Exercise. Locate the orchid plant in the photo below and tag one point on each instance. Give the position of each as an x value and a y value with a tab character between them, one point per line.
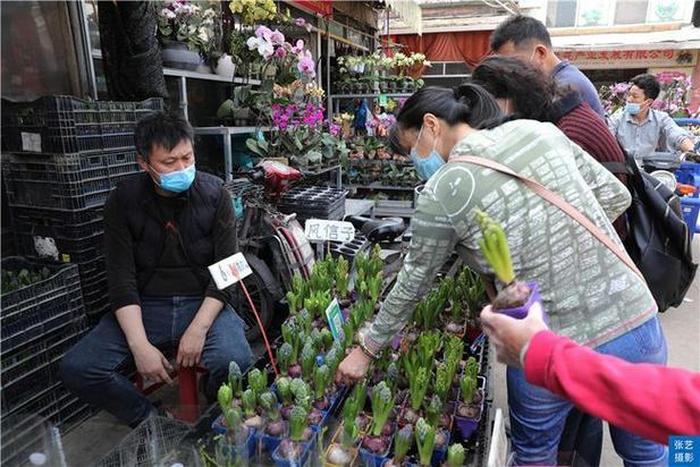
189	22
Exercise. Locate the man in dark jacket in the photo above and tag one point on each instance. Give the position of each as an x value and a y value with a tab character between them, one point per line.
162	229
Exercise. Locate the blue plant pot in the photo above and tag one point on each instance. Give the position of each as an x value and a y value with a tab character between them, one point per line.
307	448
370	459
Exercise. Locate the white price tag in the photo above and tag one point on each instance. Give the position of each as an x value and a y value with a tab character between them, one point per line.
230	270
320	230
31	142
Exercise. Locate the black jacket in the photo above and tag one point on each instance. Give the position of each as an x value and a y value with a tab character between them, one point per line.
136	232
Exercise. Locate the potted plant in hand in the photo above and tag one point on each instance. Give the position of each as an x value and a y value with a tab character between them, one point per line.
517	297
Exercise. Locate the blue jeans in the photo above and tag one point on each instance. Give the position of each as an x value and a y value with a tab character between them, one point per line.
94	369
537	416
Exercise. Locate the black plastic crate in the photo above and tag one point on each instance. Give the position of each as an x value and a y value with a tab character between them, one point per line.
67	168
43	324
53	345
65	124
70	250
68	196
60	217
35	305
25	379
45	228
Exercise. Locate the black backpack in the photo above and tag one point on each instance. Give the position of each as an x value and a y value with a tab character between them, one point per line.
659	241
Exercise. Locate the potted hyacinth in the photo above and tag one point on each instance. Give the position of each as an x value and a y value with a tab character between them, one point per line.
237	436
296	447
377	441
516	298
343	448
471	406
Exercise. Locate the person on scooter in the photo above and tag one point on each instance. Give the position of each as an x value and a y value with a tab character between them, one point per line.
641	130
163	227
591	295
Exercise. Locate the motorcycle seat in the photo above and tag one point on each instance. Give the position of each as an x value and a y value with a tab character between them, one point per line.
378	230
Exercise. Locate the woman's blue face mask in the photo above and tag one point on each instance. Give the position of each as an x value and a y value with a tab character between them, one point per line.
426	167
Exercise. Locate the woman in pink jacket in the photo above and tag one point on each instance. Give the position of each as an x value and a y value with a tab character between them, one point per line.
652	401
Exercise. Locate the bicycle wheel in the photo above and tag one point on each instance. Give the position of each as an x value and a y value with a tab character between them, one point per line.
263	302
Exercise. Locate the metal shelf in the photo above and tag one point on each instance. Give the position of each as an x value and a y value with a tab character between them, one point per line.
97	54
379	186
374	95
207	76
228	130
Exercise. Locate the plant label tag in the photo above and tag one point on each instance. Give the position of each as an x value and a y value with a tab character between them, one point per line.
230	270
31	142
335	319
320	230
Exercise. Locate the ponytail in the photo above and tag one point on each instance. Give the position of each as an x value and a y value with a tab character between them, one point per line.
468	103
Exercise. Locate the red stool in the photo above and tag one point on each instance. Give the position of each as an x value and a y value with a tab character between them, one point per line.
187	391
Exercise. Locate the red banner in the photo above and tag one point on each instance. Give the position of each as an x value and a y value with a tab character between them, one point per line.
321	7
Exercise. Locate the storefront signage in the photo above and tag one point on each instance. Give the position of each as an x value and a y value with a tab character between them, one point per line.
321	7
230	270
603	59
319	230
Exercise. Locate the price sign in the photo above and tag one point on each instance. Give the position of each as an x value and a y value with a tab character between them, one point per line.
335	319
31	142
320	230
230	270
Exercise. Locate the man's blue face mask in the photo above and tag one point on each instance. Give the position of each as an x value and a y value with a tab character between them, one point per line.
177	181
426	167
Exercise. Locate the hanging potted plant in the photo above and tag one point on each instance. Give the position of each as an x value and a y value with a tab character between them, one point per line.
186	30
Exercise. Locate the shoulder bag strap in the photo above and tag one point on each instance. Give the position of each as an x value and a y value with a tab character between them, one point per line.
557	201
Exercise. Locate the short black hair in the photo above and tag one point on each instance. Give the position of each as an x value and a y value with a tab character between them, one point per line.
647	83
521	30
531	91
161	129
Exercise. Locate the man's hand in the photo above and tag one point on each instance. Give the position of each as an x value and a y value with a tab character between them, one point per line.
353	367
511	336
189	352
152	364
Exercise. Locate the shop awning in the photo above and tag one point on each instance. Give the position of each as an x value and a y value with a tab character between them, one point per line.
465	46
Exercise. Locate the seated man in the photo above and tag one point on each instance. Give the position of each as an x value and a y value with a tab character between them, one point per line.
162	229
642	130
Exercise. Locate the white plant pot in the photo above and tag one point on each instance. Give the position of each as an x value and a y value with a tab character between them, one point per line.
225	67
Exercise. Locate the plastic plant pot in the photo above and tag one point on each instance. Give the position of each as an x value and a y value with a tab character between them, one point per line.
439	454
354	451
307	448
370	459
467	425
521	311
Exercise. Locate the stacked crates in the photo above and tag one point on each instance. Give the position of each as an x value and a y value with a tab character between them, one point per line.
39	323
62	157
